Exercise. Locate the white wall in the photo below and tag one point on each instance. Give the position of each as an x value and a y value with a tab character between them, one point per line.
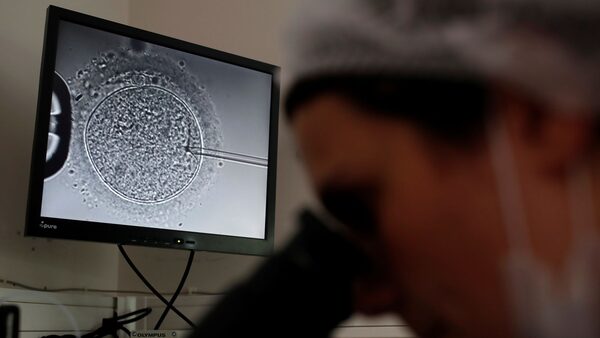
251	29
46	313
39	262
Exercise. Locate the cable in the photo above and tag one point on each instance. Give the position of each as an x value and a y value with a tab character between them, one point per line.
134	316
111	326
74	289
177	291
149	286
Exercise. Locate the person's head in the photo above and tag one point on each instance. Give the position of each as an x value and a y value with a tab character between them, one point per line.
449	135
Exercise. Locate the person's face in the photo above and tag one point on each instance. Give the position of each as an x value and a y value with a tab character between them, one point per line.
431	211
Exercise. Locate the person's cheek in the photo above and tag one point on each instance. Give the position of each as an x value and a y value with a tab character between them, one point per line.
443	271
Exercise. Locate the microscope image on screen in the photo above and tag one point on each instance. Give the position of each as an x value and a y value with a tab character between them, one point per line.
144	135
138	141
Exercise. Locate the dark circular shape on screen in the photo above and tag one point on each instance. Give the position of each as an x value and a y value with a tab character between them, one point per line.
137	141
62	127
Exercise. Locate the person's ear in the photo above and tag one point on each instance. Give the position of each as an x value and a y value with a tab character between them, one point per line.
548	139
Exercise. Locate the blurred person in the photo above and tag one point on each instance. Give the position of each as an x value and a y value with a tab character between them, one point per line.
458	138
456	144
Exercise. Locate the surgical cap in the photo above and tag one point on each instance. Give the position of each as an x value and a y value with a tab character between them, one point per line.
548	49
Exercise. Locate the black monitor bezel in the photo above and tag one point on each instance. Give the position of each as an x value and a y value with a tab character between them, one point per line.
38	226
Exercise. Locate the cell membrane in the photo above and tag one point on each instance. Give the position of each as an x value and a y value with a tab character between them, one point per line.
136	116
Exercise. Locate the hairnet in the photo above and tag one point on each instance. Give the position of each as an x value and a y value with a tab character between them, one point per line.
548	49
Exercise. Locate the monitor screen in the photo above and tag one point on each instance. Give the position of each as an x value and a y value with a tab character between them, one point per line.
144	139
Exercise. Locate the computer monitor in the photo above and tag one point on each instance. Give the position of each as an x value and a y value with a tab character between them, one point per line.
149	140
